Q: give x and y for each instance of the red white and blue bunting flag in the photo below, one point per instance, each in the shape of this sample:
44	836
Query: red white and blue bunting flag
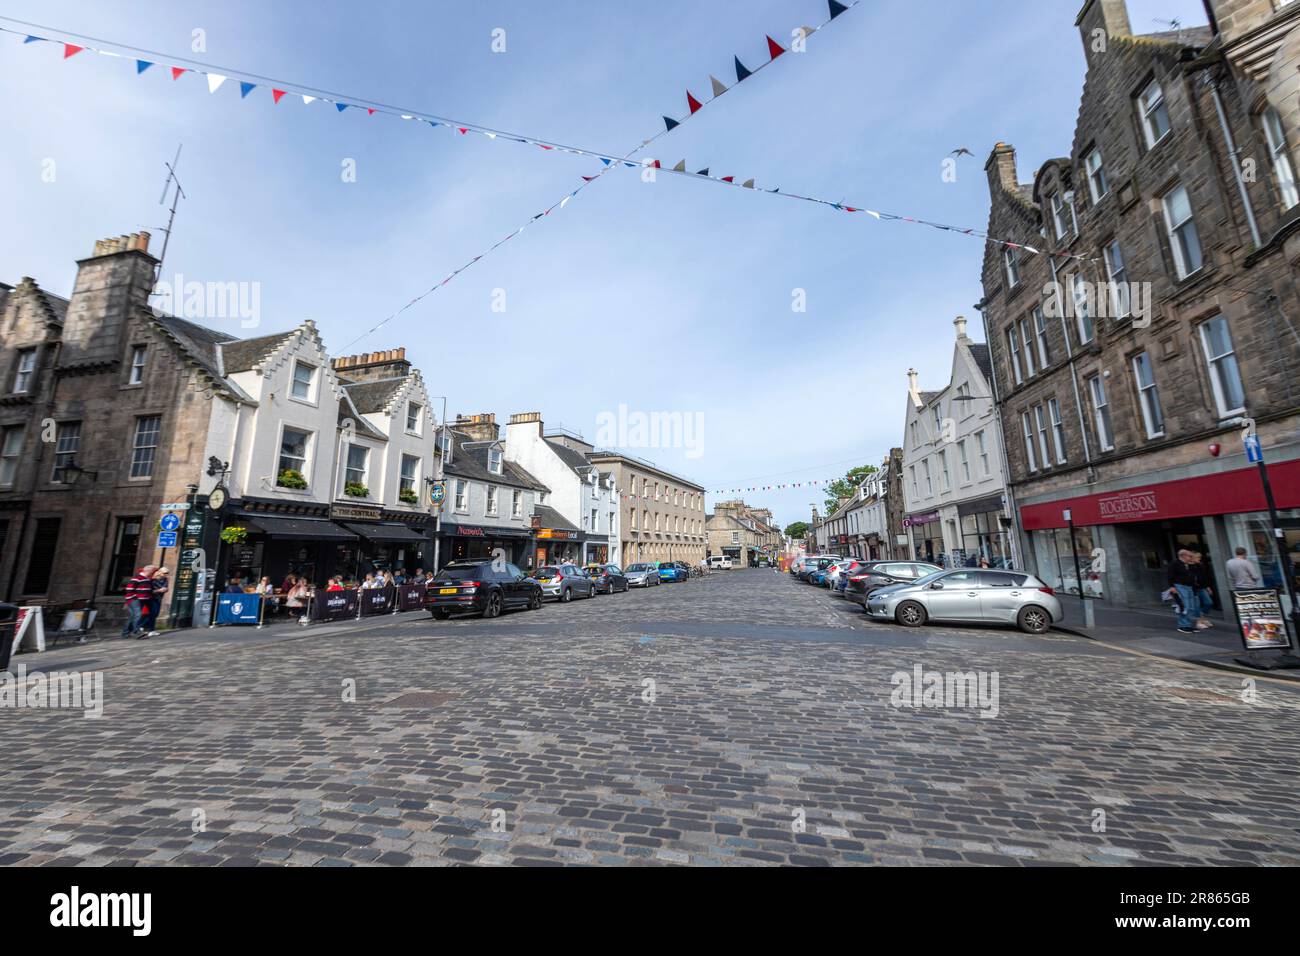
743	72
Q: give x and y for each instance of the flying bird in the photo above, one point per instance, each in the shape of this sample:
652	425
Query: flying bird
963	151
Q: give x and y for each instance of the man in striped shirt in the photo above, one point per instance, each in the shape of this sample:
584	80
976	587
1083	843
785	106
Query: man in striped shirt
138	592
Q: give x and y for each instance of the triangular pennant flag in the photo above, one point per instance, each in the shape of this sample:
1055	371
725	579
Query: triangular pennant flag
32	39
728	179
680	167
340	106
692	101
177	71
245	89
433	122
306	99
214	82
773	48
655	164
669	122
741	70
71	49
748	184
370	111
718	88
276	94
703	172
588	178
605	161
837	9
464	130
141	66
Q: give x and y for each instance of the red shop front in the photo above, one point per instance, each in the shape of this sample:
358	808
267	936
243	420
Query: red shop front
1124	539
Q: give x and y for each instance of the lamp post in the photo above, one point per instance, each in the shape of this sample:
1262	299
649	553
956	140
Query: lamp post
437	518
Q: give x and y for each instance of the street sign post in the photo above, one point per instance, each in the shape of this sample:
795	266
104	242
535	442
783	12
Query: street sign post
1254	450
166	539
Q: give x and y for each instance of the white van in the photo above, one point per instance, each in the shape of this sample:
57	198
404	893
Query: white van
720	562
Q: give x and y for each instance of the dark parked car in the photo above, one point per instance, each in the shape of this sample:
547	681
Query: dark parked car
564	582
608	577
878	574
479	586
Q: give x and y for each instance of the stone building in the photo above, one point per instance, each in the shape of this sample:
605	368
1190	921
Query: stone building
737	531
661	514
104	416
1146	313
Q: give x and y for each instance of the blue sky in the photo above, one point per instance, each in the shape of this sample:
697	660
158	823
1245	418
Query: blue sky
673	296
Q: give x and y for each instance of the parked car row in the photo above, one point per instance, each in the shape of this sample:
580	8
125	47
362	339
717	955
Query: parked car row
914	592
488	588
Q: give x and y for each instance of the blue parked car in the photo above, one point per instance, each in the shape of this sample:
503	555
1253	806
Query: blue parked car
818	577
671	573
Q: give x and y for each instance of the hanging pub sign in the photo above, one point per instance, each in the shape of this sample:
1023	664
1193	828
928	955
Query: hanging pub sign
334	605
1260	619
377	600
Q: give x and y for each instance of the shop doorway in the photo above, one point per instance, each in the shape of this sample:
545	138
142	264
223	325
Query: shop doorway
1189	533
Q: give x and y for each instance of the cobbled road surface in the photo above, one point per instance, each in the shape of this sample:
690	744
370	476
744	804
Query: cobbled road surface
738	719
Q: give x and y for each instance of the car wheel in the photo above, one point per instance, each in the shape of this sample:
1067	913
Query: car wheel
441	615
910	614
566	596
535	601
1033	619
493	606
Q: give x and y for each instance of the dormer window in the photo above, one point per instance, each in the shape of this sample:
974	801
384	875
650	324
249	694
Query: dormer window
1058	215
494	460
445	444
304	379
1154	113
1096	173
413	410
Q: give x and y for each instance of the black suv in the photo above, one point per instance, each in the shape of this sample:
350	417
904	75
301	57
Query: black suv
481	586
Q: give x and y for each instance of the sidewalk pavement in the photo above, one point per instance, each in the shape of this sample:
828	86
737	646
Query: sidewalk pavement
1155	631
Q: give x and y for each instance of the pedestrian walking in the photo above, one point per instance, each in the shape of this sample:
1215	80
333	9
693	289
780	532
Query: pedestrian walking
138	592
158	587
1180	576
1242	572
1204	593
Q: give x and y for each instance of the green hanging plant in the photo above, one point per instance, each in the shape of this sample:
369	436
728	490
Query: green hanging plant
235	534
409	496
289	478
355	489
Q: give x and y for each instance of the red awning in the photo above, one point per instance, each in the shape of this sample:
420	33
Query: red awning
1225	492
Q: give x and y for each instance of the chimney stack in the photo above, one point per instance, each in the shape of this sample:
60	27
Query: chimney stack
1001	168
1100	22
371	366
481	427
959	324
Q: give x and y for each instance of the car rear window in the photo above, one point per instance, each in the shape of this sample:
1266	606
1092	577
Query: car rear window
464	572
549	571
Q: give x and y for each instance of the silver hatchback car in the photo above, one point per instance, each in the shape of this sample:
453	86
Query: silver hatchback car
971	595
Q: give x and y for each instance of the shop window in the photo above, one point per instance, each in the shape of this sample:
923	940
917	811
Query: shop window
126	544
1055	560
67	442
40	566
144	448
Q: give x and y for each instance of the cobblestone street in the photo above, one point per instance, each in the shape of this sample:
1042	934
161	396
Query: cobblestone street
770	738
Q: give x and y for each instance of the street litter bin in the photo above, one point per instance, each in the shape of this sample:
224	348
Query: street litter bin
8	622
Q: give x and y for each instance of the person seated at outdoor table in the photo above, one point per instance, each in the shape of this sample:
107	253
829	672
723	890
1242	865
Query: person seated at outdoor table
369	582
399	577
388	581
233	586
296	597
336	583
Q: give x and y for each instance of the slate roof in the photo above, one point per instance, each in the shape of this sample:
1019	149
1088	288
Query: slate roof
979	351
574	459
550	518
239	355
348	412
469	459
373	396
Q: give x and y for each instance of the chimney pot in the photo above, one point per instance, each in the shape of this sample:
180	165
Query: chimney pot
959	324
